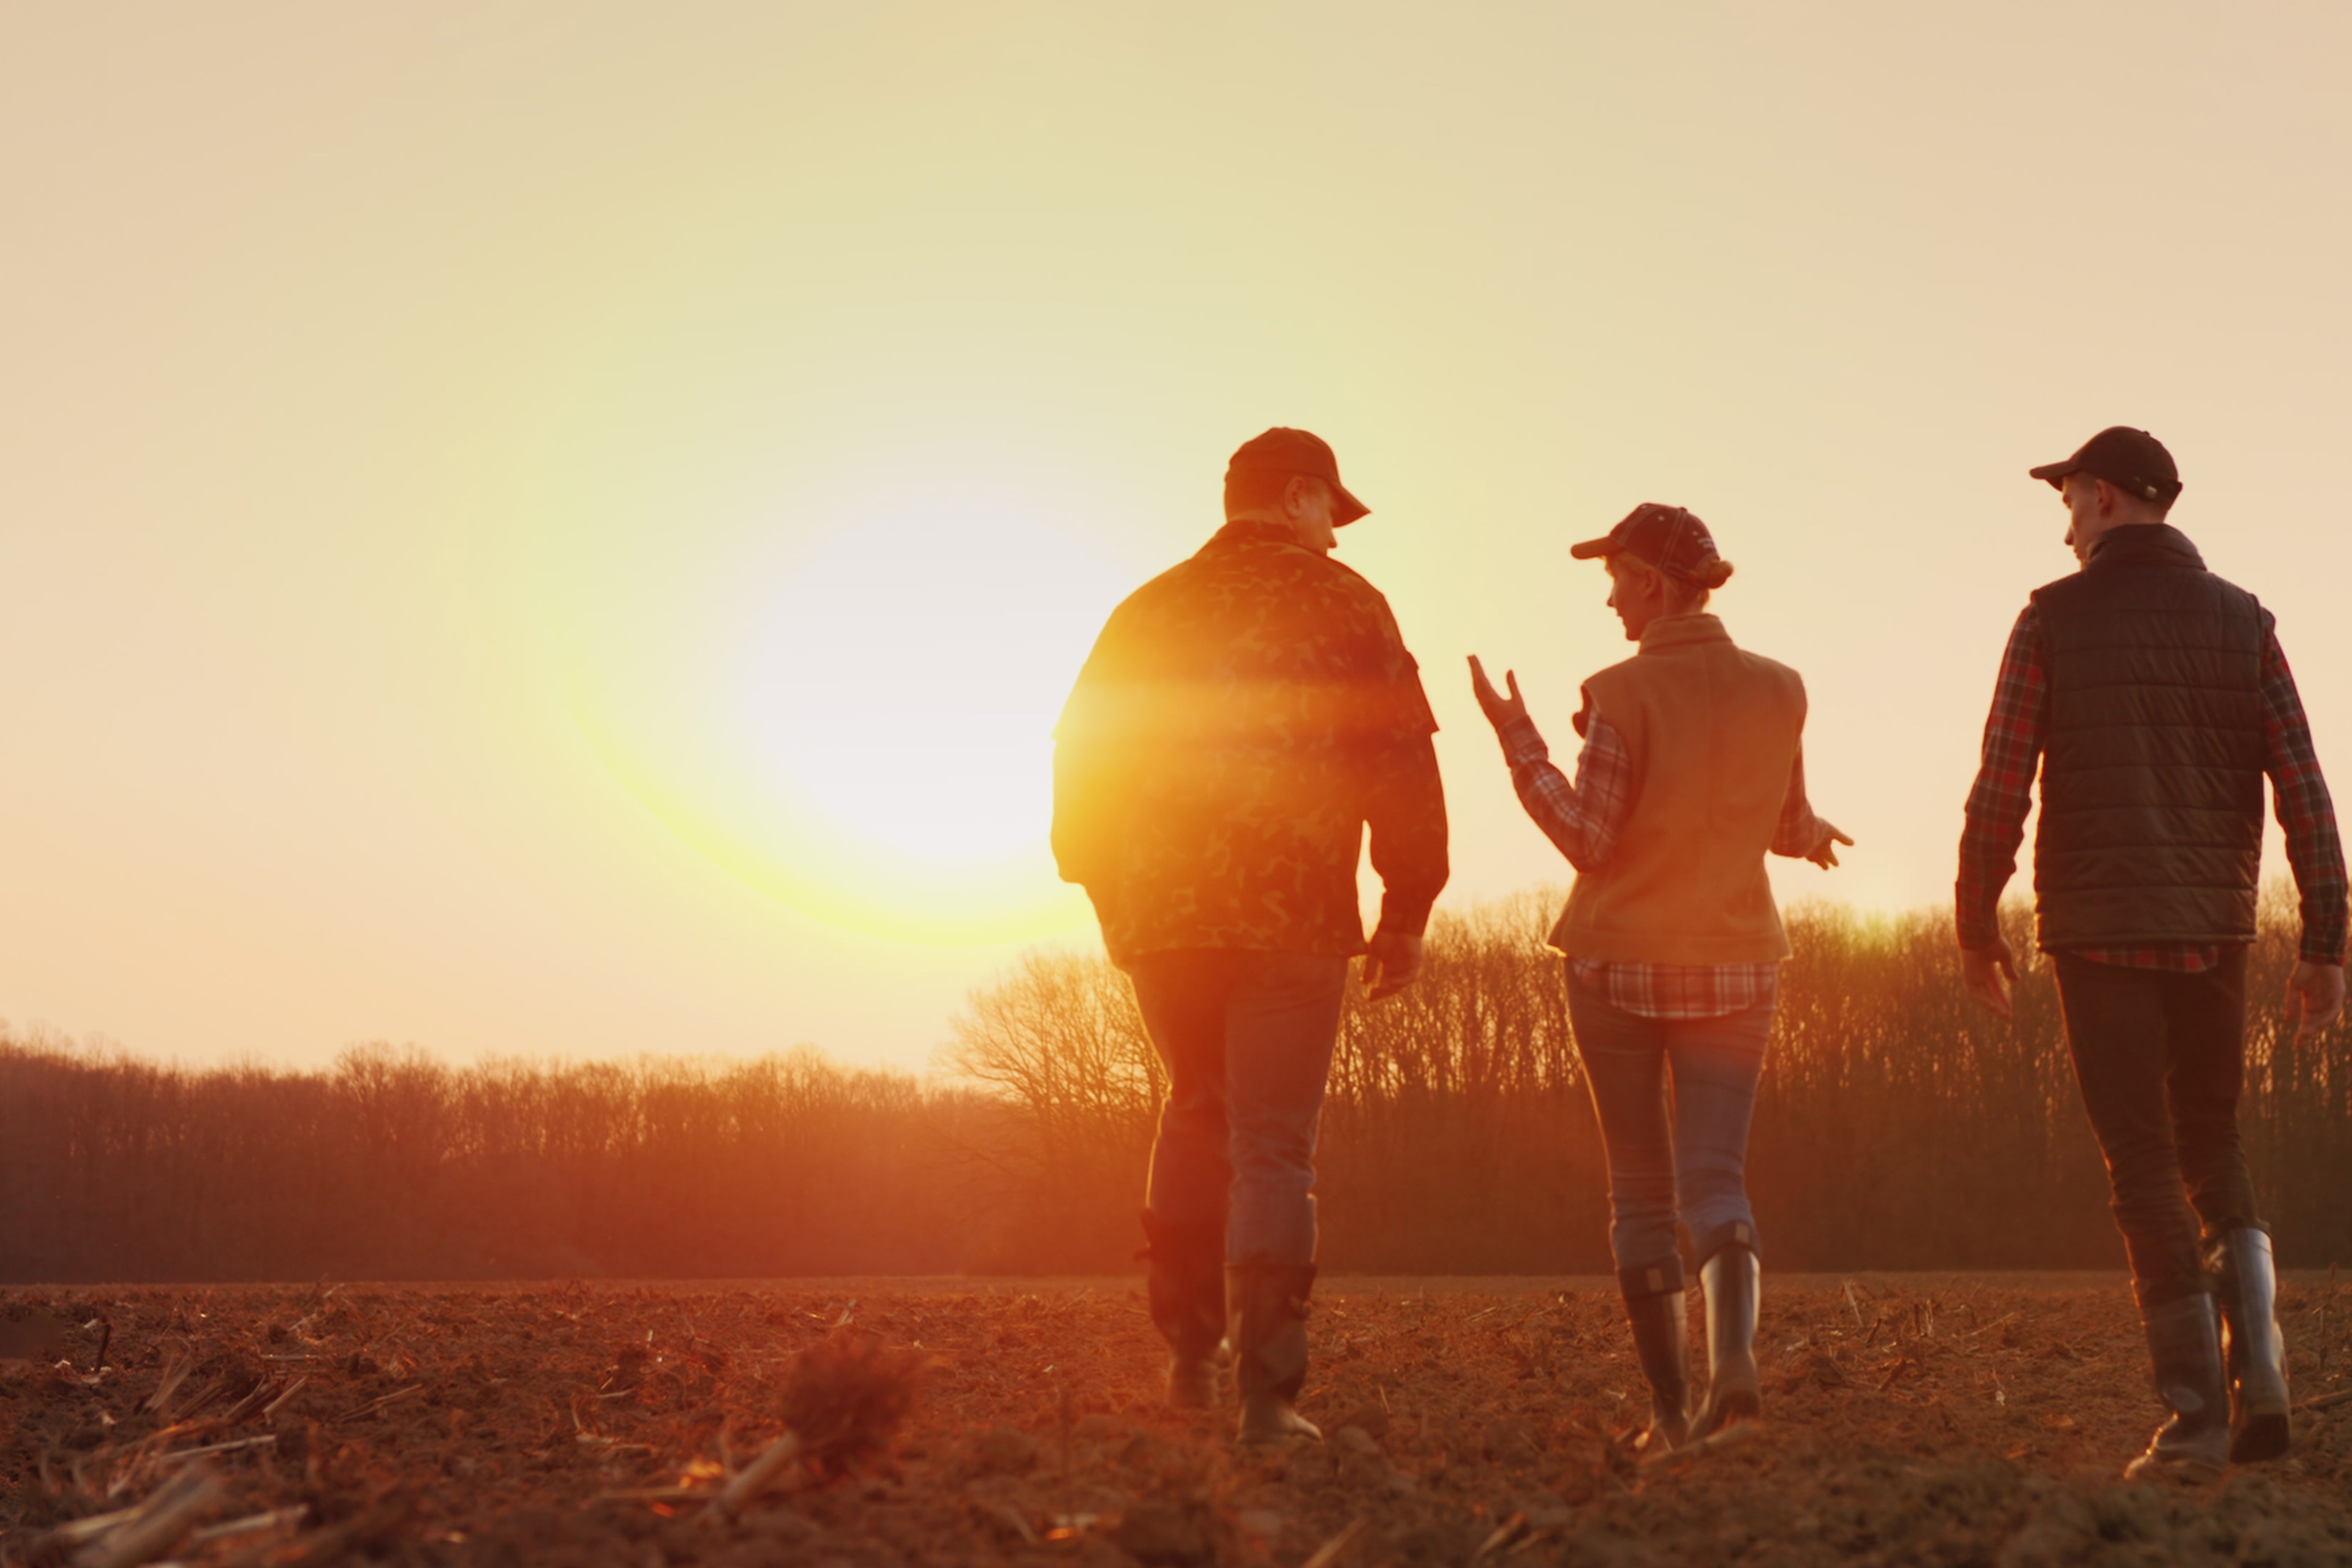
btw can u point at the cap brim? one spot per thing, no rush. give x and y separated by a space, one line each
1345 507
1592 547
2054 474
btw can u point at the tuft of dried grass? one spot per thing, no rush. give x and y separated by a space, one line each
845 1396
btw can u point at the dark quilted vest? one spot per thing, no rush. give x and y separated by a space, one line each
2152 761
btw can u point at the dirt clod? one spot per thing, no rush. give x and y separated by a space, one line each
1166 1531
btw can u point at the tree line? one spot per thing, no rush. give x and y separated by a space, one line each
1897 1128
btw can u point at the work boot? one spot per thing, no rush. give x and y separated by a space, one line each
2253 1353
1654 1307
1186 1289
1266 1323
2184 1346
1732 1280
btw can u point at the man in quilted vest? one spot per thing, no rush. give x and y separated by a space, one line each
2154 699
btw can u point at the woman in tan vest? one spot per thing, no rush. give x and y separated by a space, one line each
1691 771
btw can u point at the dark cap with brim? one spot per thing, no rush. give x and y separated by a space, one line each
2132 460
1283 450
1670 538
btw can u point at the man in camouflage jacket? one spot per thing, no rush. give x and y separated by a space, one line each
1240 720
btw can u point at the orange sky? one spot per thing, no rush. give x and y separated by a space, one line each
562 528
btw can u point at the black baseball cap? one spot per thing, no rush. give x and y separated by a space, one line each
1670 538
1283 450
2132 460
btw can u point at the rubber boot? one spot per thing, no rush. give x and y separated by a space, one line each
2184 1347
1655 1309
1266 1323
1186 1289
2253 1353
1732 1280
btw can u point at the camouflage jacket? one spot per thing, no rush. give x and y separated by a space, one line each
1240 720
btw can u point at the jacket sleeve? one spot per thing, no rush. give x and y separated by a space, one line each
1582 820
1405 799
1408 829
1094 752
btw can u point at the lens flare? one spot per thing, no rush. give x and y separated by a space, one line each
874 745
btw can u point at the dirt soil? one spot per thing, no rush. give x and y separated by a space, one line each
1969 1420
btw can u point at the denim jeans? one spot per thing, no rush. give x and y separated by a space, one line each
1246 1040
1702 1159
2160 1059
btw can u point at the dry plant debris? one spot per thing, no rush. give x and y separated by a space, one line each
1953 1420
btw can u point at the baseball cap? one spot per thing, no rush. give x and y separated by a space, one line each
2131 460
1283 450
1670 538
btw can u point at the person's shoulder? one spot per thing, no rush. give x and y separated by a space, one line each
1773 670
2240 593
1610 674
2057 588
1173 585
1150 616
1342 584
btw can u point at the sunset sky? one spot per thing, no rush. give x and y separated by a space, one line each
564 528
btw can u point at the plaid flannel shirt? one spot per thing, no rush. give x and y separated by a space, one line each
2003 793
1583 820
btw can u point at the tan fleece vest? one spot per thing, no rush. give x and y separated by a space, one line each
1713 734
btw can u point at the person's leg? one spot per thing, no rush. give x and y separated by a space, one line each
1181 998
2207 1016
1282 1019
1660 1325
2119 1031
2208 1034
1625 1060
2120 1035
1624 1070
1716 1063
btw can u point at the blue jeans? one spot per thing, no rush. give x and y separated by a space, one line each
1703 1157
1246 1039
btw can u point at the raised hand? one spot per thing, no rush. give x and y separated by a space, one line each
1499 710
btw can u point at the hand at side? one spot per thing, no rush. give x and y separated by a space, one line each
1988 974
2315 997
1393 963
1824 854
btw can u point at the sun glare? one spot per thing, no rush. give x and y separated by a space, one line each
881 753
907 679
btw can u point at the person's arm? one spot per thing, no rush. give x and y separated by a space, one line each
1095 756
2313 849
1582 819
1997 808
1801 834
1405 814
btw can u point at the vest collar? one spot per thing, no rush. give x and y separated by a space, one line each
2145 544
1669 632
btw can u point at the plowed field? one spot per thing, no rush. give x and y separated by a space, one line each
1907 1419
